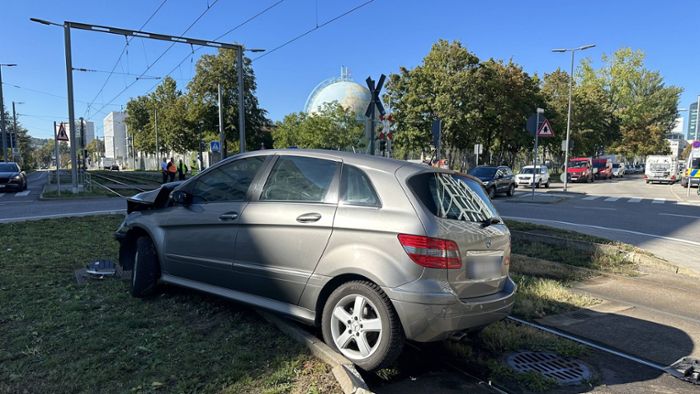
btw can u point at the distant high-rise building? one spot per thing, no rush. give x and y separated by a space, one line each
692 121
115 136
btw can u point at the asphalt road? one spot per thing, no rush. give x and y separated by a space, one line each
657 218
16 206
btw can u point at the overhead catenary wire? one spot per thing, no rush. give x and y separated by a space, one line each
245 22
48 93
116 63
209 7
268 52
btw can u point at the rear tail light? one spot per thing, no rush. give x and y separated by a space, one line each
431 252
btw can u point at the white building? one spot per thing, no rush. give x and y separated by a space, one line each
678 125
88 128
115 136
677 142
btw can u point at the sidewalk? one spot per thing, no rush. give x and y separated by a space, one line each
655 316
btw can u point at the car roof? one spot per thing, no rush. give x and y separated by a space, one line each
356 159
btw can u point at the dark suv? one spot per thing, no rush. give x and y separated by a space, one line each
496 179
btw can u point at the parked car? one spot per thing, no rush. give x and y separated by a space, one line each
371 250
661 169
602 168
496 179
524 178
618 170
580 169
12 177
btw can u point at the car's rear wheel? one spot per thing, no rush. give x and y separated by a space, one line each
546 185
360 322
146 270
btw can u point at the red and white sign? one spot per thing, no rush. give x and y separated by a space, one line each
545 130
61 135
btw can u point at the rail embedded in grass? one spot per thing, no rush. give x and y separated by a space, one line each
59 336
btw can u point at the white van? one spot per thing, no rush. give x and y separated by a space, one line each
524 178
661 168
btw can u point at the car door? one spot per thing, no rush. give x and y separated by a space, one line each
501 181
284 231
200 236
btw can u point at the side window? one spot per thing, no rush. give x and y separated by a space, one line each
229 182
296 178
500 173
356 189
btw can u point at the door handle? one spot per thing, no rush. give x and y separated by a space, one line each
229 216
309 217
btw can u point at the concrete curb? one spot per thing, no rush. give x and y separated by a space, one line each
343 369
64 215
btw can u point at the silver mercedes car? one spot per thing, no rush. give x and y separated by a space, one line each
374 251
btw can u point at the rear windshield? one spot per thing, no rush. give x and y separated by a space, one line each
483 172
8 167
452 196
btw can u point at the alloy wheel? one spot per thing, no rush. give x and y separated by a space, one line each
356 327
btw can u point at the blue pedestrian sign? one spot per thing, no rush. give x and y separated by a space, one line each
215 146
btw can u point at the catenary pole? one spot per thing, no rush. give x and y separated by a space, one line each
241 100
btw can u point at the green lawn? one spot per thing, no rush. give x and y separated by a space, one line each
60 336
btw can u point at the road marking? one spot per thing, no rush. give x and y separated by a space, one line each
680 216
589 198
64 215
634 199
604 228
599 208
611 199
658 201
23 194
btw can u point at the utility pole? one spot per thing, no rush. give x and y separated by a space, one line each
697 118
534 158
2 113
222 135
14 131
155 126
83 150
71 110
241 100
58 159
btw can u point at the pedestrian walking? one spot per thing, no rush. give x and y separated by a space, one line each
164 170
172 170
181 170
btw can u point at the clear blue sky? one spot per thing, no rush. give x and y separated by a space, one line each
377 38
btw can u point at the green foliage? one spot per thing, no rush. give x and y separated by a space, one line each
478 102
332 127
183 118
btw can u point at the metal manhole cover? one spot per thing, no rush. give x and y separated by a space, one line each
563 370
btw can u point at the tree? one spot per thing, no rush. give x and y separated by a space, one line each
213 70
332 127
637 109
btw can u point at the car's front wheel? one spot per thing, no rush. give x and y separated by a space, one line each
511 190
492 192
146 270
359 321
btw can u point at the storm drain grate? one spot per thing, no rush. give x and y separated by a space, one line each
563 370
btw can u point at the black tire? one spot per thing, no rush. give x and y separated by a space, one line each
391 339
492 192
146 270
539 184
546 185
511 190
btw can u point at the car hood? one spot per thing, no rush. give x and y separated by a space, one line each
8 174
153 199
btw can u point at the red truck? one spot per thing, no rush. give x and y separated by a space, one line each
580 169
603 168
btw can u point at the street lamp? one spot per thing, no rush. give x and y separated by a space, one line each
2 112
568 117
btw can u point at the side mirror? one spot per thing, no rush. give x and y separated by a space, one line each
181 197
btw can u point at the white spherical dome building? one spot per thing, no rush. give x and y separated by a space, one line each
348 93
